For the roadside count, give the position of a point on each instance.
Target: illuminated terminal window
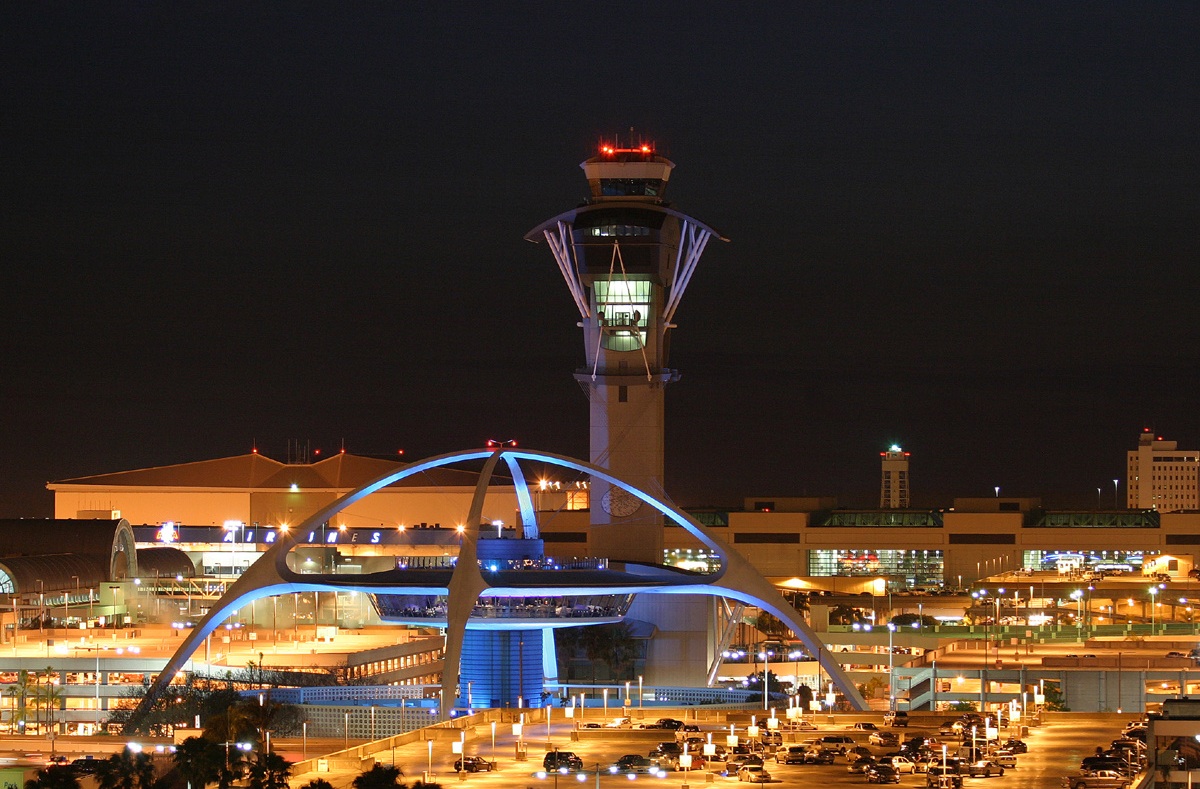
(579, 500)
(903, 568)
(1060, 561)
(623, 307)
(697, 560)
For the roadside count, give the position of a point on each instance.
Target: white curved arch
(270, 575)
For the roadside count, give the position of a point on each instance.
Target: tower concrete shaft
(627, 257)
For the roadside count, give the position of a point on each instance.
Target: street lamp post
(1153, 625)
(891, 669)
(1077, 596)
(241, 746)
(641, 697)
(766, 654)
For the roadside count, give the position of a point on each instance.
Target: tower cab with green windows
(627, 256)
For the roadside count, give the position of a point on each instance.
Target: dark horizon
(969, 230)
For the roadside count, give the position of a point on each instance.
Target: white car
(901, 764)
(1008, 760)
(619, 723)
(754, 773)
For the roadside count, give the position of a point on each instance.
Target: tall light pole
(1077, 596)
(1153, 592)
(1116, 500)
(891, 669)
(765, 655)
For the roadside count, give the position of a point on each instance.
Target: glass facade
(904, 569)
(1127, 561)
(697, 560)
(623, 307)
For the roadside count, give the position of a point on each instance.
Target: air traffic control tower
(627, 257)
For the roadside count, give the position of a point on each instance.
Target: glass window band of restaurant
(902, 567)
(1128, 561)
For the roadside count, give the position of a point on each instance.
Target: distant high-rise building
(1162, 476)
(894, 490)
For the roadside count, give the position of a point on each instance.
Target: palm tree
(270, 771)
(51, 696)
(317, 783)
(230, 724)
(57, 777)
(199, 761)
(381, 776)
(612, 644)
(232, 762)
(261, 718)
(125, 770)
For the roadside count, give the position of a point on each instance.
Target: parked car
(882, 774)
(859, 752)
(85, 766)
(668, 748)
(865, 727)
(1005, 760)
(474, 764)
(620, 723)
(736, 762)
(820, 756)
(58, 760)
(556, 759)
(939, 777)
(754, 773)
(898, 718)
(950, 728)
(860, 766)
(884, 739)
(800, 725)
(1015, 745)
(985, 768)
(838, 742)
(793, 754)
(633, 763)
(772, 738)
(901, 764)
(1091, 764)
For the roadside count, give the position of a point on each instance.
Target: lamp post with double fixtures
(891, 669)
(765, 655)
(1153, 624)
(244, 747)
(1077, 596)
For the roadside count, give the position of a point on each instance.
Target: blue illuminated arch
(734, 578)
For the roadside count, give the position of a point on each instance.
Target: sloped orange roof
(341, 471)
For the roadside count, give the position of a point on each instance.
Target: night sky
(968, 228)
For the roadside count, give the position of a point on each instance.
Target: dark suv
(556, 760)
